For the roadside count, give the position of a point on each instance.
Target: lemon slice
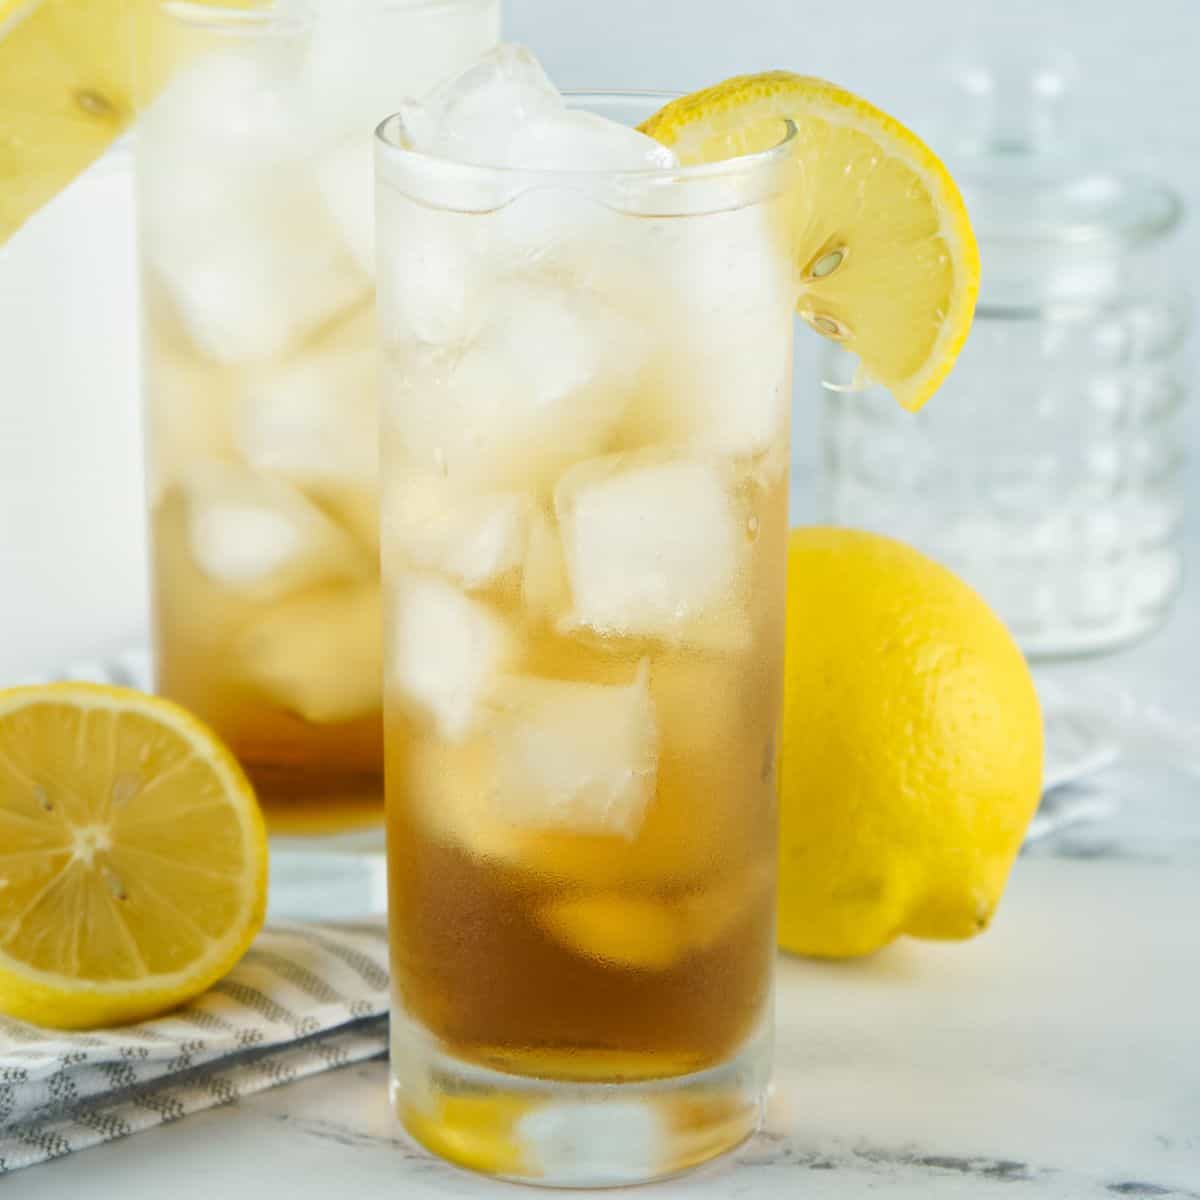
(66, 89)
(888, 265)
(133, 856)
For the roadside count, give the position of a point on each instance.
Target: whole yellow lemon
(912, 749)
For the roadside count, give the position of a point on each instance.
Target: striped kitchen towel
(306, 998)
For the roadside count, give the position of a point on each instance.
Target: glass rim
(758, 160)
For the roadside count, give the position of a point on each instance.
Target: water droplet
(113, 882)
(768, 759)
(43, 798)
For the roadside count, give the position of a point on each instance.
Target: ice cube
(446, 652)
(237, 106)
(364, 60)
(313, 418)
(189, 412)
(450, 786)
(344, 85)
(346, 177)
(577, 757)
(434, 281)
(252, 533)
(265, 275)
(563, 222)
(655, 547)
(574, 139)
(595, 1143)
(232, 221)
(477, 116)
(546, 381)
(318, 655)
(453, 787)
(543, 573)
(728, 300)
(650, 935)
(473, 537)
(622, 931)
(504, 111)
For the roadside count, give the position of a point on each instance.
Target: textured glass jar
(1047, 471)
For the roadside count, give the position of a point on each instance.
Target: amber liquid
(310, 778)
(586, 957)
(307, 729)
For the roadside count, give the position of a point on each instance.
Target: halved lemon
(133, 856)
(887, 261)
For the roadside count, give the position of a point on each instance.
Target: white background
(72, 574)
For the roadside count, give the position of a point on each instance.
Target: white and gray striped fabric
(305, 998)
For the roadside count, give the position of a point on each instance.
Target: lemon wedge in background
(912, 749)
(133, 856)
(65, 95)
(887, 261)
(67, 71)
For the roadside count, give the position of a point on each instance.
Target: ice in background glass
(255, 214)
(586, 403)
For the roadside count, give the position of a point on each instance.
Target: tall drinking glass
(256, 232)
(584, 492)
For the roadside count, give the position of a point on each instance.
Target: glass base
(559, 1133)
(341, 877)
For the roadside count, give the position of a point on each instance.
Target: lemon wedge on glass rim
(887, 262)
(133, 856)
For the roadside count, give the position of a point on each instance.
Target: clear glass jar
(1047, 472)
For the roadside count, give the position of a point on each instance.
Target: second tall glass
(256, 227)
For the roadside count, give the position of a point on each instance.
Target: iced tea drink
(256, 232)
(585, 424)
